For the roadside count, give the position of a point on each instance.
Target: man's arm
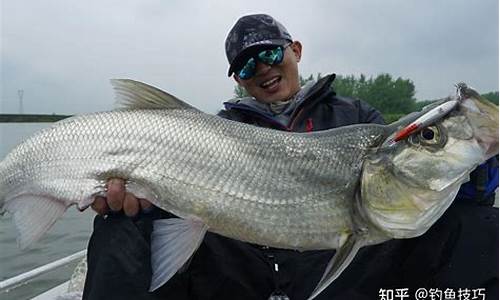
(368, 114)
(483, 183)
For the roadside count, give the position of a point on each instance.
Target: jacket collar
(250, 104)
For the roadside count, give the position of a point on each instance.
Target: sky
(62, 53)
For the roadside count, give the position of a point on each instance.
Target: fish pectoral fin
(338, 263)
(173, 242)
(33, 215)
(131, 94)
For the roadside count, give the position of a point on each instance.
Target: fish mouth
(483, 117)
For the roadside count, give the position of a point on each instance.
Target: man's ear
(296, 47)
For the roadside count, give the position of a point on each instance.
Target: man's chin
(279, 95)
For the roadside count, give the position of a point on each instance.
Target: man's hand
(118, 198)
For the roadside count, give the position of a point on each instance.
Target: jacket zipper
(277, 294)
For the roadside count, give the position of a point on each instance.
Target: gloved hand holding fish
(342, 188)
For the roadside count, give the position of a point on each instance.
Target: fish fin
(131, 94)
(33, 216)
(341, 259)
(173, 242)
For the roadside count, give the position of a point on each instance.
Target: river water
(69, 235)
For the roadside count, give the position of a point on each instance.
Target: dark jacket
(320, 108)
(459, 251)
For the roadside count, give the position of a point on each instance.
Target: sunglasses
(273, 56)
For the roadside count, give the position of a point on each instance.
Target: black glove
(118, 258)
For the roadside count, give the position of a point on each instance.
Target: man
(264, 60)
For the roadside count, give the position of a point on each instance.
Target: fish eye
(432, 136)
(427, 134)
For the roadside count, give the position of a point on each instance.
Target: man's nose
(261, 68)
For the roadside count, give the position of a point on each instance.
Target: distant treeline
(30, 118)
(393, 97)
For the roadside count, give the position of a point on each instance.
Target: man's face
(276, 82)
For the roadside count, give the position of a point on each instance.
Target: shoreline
(31, 118)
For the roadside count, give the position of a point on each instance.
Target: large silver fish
(342, 188)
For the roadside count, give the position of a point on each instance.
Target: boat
(71, 289)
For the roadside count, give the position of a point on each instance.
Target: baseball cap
(251, 32)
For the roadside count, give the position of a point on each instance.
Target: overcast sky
(63, 53)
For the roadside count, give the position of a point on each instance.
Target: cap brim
(251, 48)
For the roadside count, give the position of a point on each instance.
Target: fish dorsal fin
(131, 94)
(341, 259)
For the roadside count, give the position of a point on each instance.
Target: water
(69, 235)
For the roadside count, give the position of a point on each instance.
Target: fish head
(406, 186)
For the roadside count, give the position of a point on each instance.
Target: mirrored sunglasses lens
(248, 69)
(271, 56)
